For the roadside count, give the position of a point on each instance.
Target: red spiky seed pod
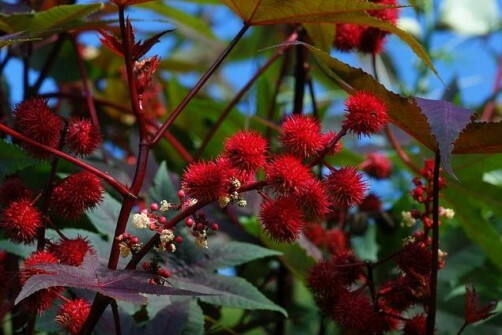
(377, 166)
(415, 258)
(205, 181)
(72, 315)
(13, 188)
(346, 187)
(282, 219)
(82, 137)
(42, 299)
(246, 150)
(323, 279)
(354, 312)
(314, 201)
(347, 36)
(417, 325)
(20, 221)
(366, 114)
(396, 294)
(371, 204)
(72, 251)
(76, 193)
(315, 234)
(287, 175)
(372, 39)
(34, 119)
(336, 240)
(301, 135)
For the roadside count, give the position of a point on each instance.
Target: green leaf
(13, 159)
(366, 247)
(55, 20)
(104, 217)
(237, 292)
(477, 137)
(235, 253)
(262, 12)
(195, 322)
(15, 38)
(163, 187)
(190, 24)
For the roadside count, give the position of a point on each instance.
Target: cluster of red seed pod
(363, 38)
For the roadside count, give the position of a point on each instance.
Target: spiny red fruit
(301, 135)
(288, 175)
(377, 165)
(371, 203)
(13, 188)
(76, 193)
(417, 325)
(396, 294)
(71, 252)
(315, 234)
(336, 240)
(20, 221)
(205, 181)
(324, 279)
(365, 113)
(282, 219)
(83, 137)
(346, 187)
(42, 299)
(415, 258)
(372, 39)
(354, 312)
(34, 119)
(314, 201)
(72, 315)
(348, 36)
(246, 150)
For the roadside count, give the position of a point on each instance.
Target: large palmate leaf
(446, 121)
(477, 137)
(262, 12)
(92, 275)
(13, 159)
(54, 20)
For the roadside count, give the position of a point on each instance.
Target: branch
(193, 92)
(103, 175)
(431, 315)
(243, 91)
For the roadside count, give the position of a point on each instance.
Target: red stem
(103, 175)
(193, 92)
(399, 150)
(431, 315)
(241, 93)
(328, 148)
(301, 70)
(85, 84)
(490, 106)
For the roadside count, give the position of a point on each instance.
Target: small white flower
(140, 221)
(201, 240)
(164, 206)
(166, 236)
(242, 202)
(408, 219)
(446, 212)
(124, 249)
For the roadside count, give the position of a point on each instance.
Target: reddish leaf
(129, 2)
(140, 48)
(111, 42)
(123, 285)
(474, 312)
(446, 121)
(477, 137)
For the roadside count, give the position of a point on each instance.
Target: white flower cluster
(140, 221)
(408, 219)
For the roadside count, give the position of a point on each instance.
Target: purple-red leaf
(92, 275)
(446, 122)
(474, 312)
(140, 48)
(111, 42)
